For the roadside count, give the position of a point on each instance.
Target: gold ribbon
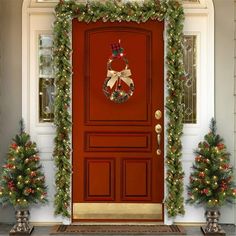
(115, 75)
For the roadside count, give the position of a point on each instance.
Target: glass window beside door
(46, 79)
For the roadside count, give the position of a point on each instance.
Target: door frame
(120, 203)
(45, 11)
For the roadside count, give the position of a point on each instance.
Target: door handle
(158, 130)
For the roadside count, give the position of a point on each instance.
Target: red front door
(115, 160)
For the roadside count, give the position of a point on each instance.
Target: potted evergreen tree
(22, 182)
(211, 181)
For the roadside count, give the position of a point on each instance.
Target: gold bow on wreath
(115, 75)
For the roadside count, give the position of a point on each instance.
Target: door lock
(158, 114)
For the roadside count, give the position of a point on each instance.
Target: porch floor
(45, 230)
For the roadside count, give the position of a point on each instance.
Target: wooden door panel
(136, 184)
(99, 179)
(117, 142)
(114, 145)
(96, 57)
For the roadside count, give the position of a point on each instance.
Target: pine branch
(22, 126)
(213, 126)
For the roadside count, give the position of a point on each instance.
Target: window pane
(46, 99)
(46, 79)
(190, 88)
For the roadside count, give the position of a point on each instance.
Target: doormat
(119, 229)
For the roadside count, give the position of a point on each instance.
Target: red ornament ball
(220, 146)
(198, 158)
(33, 174)
(201, 174)
(14, 146)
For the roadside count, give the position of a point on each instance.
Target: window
(190, 89)
(46, 79)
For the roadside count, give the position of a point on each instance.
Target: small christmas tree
(211, 181)
(22, 181)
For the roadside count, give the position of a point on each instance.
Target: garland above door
(170, 11)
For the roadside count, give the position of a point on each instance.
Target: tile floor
(45, 230)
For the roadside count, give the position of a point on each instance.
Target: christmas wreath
(113, 86)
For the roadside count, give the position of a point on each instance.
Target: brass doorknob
(158, 128)
(158, 114)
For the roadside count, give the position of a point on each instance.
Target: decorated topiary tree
(22, 182)
(211, 182)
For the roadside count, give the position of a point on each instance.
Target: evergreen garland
(169, 10)
(62, 120)
(175, 109)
